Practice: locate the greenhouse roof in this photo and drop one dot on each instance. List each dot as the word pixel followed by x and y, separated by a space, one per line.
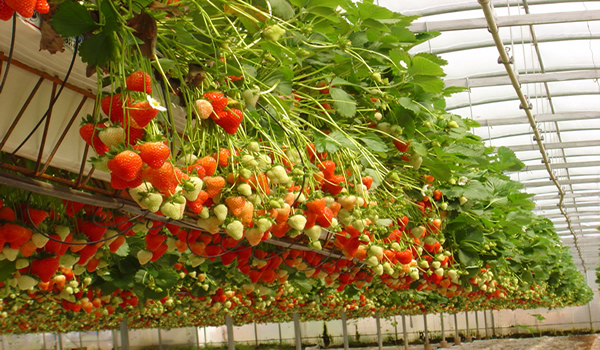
pixel 554 51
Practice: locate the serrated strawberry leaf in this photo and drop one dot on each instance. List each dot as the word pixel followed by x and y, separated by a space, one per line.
pixel 374 143
pixel 73 19
pixel 98 50
pixel 344 104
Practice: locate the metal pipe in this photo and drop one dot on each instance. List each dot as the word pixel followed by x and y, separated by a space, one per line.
pixel 404 333
pixel 345 330
pixel 427 346
pixel 477 335
pixel 457 340
pixel 493 324
pixel 230 340
pixel 493 29
pixel 160 346
pixel 379 337
pixel 60 344
pixel 297 331
pixel 124 335
pixel 485 324
pixel 197 337
pixel 255 335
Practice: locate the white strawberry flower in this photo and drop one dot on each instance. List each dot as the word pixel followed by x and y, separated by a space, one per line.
pixel 155 104
pixel 462 180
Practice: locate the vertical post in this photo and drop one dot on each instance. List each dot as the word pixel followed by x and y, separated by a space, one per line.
pixel 456 336
pixel 124 335
pixel 160 347
pixel 230 340
pixel 477 335
pixel 443 343
pixel 427 345
pixel 591 319
pixel 379 337
pixel 255 335
pixel 280 339
pixel 493 324
pixel 97 339
pixel 197 337
pixel 345 330
pixel 80 341
pixel 297 331
pixel 485 324
pixel 468 338
pixel 205 341
pixel 396 329
pixel 404 332
pixel 2 341
pixel 114 339
pixel 43 341
pixel 59 338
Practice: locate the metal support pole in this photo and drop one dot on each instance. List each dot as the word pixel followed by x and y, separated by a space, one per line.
pixel 230 340
pixel 205 341
pixel 255 335
pixel 160 347
pixel 493 324
pixel 2 341
pixel 115 341
pixel 485 324
pixel 379 337
pixel 345 330
pixel 97 339
pixel 80 341
pixel 59 338
pixel 280 339
pixel 427 346
pixel 43 340
pixel 477 335
pixel 456 336
pixel 297 331
pixel 404 333
pixel 396 329
pixel 468 337
pixel 197 337
pixel 124 335
pixel 443 343
pixel 591 319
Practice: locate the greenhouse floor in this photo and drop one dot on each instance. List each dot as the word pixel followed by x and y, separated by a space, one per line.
pixel 573 342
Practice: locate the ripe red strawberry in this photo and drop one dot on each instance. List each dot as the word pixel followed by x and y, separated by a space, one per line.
pixel 10 232
pixel 317 205
pixel 209 164
pixel 235 204
pixel 117 243
pixel 401 145
pixel 113 105
pixel 328 168
pixel 23 7
pixel 139 81
pixel 217 100
pixel 72 208
pixel 229 120
pixel 223 156
pixel 45 268
pixel 6 12
pixel 126 165
pixel 119 184
pixel 324 220
pixel 42 6
pixel 163 178
pixel 213 184
pixel 367 181
pixel 93 231
pixel 404 257
pixel 143 113
pixel 196 169
pixel 135 135
pixel 7 214
pixel 332 185
pixel 154 241
pixel 154 153
pixel 36 216
pixel 89 133
pixel 86 253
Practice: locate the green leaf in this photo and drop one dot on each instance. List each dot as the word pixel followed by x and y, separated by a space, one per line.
pixel 111 23
pixel 141 276
pixel 374 143
pixel 98 50
pixel 476 191
pixel 439 169
pixel 508 161
pixel 165 63
pixel 282 9
pixel 6 269
pixel 303 284
pixel 324 144
pixel 375 24
pixel 326 3
pixel 521 218
pixel 429 84
pixel 73 19
pixel 123 250
pixel 152 294
pixel 166 278
pixel 467 256
pixel 423 66
pixel 344 104
pixel 341 139
pixel 465 149
pixel 409 104
pixel 358 39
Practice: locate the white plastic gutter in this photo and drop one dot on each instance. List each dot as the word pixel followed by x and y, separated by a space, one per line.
pixel 493 29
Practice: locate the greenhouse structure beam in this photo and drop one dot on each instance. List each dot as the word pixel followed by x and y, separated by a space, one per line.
pixel 557 145
pixel 468 6
pixel 526 78
pixel 562 165
pixel 504 98
pixel 486 44
pixel 493 23
pixel 563 182
pixel 542 118
pixel 506 21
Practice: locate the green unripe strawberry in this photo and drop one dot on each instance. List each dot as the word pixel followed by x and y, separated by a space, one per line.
pixel 273 33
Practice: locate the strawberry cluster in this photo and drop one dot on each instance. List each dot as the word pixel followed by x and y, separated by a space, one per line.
pixel 25 8
pixel 214 106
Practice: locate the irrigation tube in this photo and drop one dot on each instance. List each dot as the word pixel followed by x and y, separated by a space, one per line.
pixel 493 29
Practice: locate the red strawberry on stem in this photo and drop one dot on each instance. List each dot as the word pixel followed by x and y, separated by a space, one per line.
pixel 154 153
pixel 112 106
pixel 45 268
pixel 6 12
pixel 229 120
pixel 139 81
pixel 126 164
pixel 217 100
pixel 143 113
pixel 23 7
pixel 163 179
